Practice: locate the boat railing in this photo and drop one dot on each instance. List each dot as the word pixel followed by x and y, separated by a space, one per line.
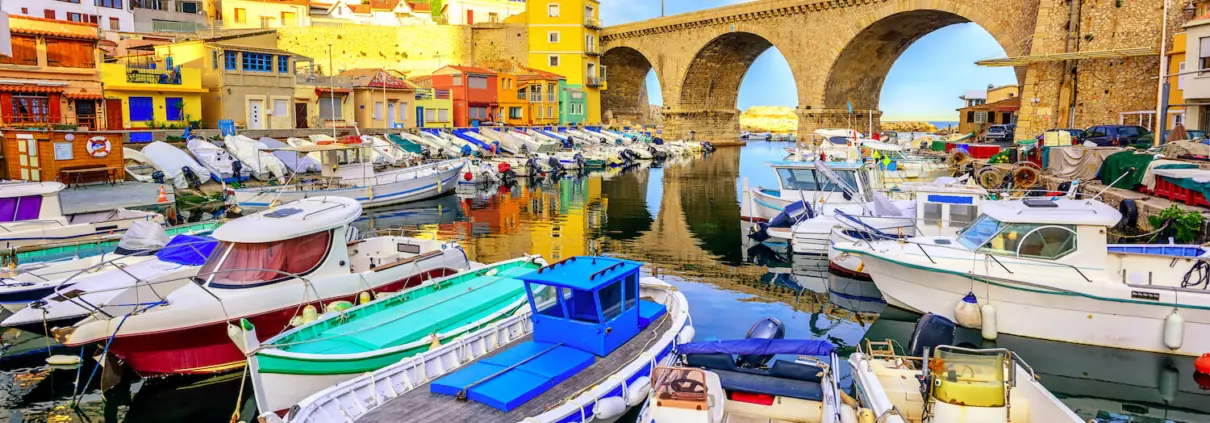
pixel 15 224
pixel 991 258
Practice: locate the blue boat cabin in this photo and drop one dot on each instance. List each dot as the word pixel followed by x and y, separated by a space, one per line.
pixel 587 303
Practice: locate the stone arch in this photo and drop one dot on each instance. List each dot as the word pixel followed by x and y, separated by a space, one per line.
pixel 714 74
pixel 627 94
pixel 861 66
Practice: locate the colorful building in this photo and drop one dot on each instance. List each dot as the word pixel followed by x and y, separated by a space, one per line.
pixel 246 14
pixel 474 92
pixel 247 78
pixel 470 12
pixel 376 12
pixel 1176 83
pixel 573 105
pixel 321 101
pixel 543 89
pixel 53 78
pixel 997 105
pixel 161 16
pixel 113 15
pixel 564 39
pixel 513 101
pixel 382 99
pixel 434 107
pixel 153 92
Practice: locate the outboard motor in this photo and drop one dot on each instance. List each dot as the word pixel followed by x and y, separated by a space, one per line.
pixel 237 168
pixel 554 164
pixel 534 167
pixel 931 331
pixel 191 177
pixel 580 161
pixel 657 154
pixel 425 153
pixel 657 141
pixel 567 143
pixel 158 176
pixel 793 213
pixel 506 170
pixel 467 150
pixel 708 146
pixel 767 328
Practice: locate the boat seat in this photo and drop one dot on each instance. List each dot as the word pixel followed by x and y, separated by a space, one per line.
pixel 757 384
pixel 780 369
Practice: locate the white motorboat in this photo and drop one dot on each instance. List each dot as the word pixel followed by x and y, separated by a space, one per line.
pixel 798 182
pixel 1042 268
pixel 214 158
pixel 268 268
pixel 173 162
pixel 31 214
pixel 297 163
pixel 116 286
pixel 138 166
pixel 255 159
pixel 941 383
pixel 386 152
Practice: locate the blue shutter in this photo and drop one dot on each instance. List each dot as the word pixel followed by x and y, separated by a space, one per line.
pixel 141 109
pixel 172 107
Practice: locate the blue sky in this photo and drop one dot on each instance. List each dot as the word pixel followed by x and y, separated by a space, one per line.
pixel 924 83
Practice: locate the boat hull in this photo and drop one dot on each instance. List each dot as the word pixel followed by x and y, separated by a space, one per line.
pixel 17 237
pixel 378 195
pixel 1039 313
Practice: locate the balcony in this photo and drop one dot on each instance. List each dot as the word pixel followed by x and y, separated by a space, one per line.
pixel 323 81
pixel 146 70
pixel 432 94
pixel 594 82
pixel 593 23
pixel 592 50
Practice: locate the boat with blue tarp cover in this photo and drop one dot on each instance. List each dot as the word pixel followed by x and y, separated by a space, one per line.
pixel 583 350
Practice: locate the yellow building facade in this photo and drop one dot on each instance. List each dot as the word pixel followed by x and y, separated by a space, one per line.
pixel 153 93
pixel 564 38
pixel 514 104
pixel 434 105
pixel 543 94
pixel 1176 83
pixel 248 14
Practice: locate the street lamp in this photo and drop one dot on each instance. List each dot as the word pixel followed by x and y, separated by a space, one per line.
pixel 1189 10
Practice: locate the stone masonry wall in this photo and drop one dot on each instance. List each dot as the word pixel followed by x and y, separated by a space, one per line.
pixel 500 43
pixel 415 50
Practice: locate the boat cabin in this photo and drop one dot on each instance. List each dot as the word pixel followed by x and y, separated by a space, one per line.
pixel 587 303
pixel 943 209
pixel 28 201
pixel 1066 230
pixel 339 161
pixel 795 177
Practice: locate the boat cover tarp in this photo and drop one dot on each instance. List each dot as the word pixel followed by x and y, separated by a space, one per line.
pixel 1077 162
pixel 1128 163
pixel 406 145
pixel 298 163
pixel 1149 176
pixel 758 347
pixel 1197 180
pixel 143 235
pixel 188 250
pixel 171 160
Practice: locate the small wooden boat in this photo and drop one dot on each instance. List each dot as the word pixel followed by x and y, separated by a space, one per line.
pixel 357 181
pixel 597 333
pixel 340 346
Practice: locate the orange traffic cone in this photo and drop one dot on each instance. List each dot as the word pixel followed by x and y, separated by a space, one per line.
pixel 163 198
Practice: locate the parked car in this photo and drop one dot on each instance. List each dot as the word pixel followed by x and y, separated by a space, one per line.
pixel 1000 132
pixel 1113 135
pixel 1075 133
pixel 1194 134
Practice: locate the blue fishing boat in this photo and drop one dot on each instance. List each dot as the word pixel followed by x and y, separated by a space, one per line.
pixel 582 350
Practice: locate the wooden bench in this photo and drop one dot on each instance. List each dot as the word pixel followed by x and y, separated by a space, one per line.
pixel 81 175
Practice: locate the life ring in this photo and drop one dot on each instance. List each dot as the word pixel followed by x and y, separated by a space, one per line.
pixel 98 147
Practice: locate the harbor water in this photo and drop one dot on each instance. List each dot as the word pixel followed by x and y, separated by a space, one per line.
pixel 681 218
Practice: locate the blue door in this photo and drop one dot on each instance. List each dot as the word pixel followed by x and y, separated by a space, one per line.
pixel 419 117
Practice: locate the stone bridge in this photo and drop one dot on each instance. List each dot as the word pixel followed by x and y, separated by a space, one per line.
pixel 838 50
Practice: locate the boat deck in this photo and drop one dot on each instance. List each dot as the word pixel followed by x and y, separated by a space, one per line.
pixel 421 405
pixel 104 197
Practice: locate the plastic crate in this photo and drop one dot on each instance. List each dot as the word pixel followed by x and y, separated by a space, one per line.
pixel 983 151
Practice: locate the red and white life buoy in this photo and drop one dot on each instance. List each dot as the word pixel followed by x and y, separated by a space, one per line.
pixel 98 147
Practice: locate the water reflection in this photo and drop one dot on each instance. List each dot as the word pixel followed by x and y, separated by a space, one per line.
pixel 682 219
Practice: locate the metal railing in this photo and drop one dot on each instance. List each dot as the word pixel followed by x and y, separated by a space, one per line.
pixel 430 94
pixel 594 81
pixel 592 49
pixel 323 81
pixel 593 23
pixel 139 75
pixel 45 121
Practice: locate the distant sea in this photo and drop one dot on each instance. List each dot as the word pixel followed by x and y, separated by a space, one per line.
pixel 942 124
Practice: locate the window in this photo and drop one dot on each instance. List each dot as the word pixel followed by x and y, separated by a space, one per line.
pixel 604 72
pixel 231 60
pixel 546 300
pixel 477 82
pixel 1180 80
pixel 521 93
pixel 241 16
pixel 330 110
pixel 1028 240
pixel 970 116
pixel 550 93
pixel 478 113
pixel 443 115
pixel 1096 131
pixel 377 110
pixel 457 80
pixel 113 4
pixel 48 14
pixel 980 117
pixel 141 109
pixel 539 113
pixel 611 300
pixel 190 7
pixel 15 209
pixel 553 60
pixel 535 93
pixel 258 62
pixel 267 22
pixel 25 51
pixel 30 108
pixel 493 17
pixel 272 259
pixel 514 113
pixel 932 213
pixel 552 37
pixel 114 24
pixel 807 180
pixel 975 235
pixel 592 70
pixel 552 11
pixel 81 17
pixel 577 109
pixel 173 107
pixel 283 64
pixel 963 214
pixel 430 115
pixel 288 18
pixel 550 111
pixel 70 53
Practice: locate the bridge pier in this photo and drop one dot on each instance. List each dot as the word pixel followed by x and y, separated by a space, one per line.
pixel 811 119
pixel 707 125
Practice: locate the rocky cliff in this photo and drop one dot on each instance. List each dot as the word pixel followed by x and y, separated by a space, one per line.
pixel 775 119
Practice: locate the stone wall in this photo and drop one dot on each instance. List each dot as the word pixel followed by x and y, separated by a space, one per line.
pixel 500 43
pixel 414 50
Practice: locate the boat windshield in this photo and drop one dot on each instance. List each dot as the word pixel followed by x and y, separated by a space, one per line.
pixel 808 180
pixel 978 233
pixel 16 209
pixel 244 265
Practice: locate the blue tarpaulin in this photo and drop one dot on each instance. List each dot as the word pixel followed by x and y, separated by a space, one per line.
pixel 187 250
pixel 758 347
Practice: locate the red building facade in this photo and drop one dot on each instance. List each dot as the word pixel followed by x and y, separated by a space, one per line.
pixel 474 92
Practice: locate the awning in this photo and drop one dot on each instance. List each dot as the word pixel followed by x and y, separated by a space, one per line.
pixel 1079 55
pixel 30 89
pixel 1008 108
pixel 82 96
pixel 324 90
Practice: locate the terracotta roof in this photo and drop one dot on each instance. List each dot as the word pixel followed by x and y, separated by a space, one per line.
pixel 83 96
pixel 383 4
pixel 367 78
pixel 471 69
pixel 529 74
pixel 425 81
pixel 52 28
pixel 290 2
pixel 420 6
pixel 359 8
pixel 30 89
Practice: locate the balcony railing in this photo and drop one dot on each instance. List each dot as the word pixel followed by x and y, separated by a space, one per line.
pixel 430 94
pixel 592 49
pixel 322 81
pixel 594 82
pixel 593 23
pixel 44 121
pixel 151 75
pixel 170 26
pixel 150 4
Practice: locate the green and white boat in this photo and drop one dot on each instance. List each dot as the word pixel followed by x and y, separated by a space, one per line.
pixel 340 346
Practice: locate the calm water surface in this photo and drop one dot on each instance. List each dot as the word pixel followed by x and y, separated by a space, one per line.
pixel 681 218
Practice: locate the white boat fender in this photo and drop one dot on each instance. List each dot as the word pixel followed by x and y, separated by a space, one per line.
pixel 63 360
pixel 686 335
pixel 967 312
pixel 989 322
pixel 848 414
pixel 866 415
pixel 637 391
pixel 609 408
pixel 492 272
pixel 1174 330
